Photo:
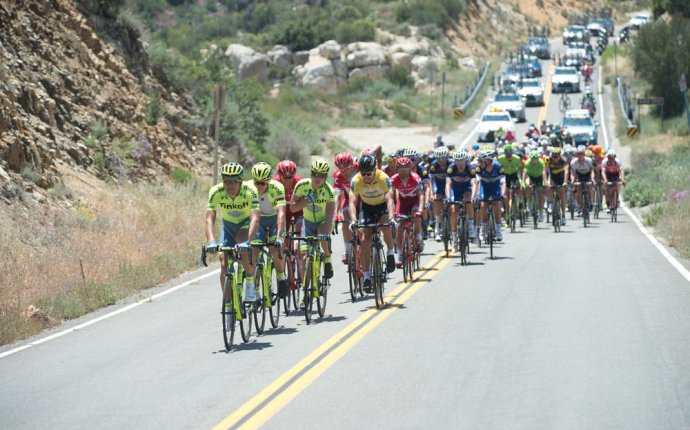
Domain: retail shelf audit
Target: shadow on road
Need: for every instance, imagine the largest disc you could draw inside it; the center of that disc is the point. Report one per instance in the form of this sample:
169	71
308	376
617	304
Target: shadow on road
329	318
470	263
280	331
250	346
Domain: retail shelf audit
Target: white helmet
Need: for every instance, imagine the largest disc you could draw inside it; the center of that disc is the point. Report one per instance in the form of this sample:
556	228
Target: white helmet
441	152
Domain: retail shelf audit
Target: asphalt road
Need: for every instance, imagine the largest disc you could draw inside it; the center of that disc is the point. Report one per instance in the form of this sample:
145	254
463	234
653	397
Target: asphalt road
587	328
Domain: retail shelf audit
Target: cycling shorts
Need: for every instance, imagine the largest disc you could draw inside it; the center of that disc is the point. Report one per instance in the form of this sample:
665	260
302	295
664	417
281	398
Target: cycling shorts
370	214
438	188
457	192
407	206
268	228
558	179
537	181
586	178
228	234
613	178
490	190
512	178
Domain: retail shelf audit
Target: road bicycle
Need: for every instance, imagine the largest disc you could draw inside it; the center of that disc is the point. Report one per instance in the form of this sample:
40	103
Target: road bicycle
408	248
564	103
597	199
613	204
234	310
556	209
445	228
585	202
293	268
534	205
490	233
266	281
463	232
515	207
570	195
378	261
315	286
354	265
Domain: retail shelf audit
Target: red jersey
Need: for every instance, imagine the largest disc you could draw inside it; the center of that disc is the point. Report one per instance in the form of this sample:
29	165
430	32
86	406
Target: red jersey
611	167
288	196
409	188
340	183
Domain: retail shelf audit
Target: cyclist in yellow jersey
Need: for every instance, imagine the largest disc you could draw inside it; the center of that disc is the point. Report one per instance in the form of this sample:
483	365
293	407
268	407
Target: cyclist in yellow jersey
316	198
373	187
272	225
239	208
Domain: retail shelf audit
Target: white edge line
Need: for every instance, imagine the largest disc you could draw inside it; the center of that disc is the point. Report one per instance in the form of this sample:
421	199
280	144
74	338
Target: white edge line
671	259
108	315
601	109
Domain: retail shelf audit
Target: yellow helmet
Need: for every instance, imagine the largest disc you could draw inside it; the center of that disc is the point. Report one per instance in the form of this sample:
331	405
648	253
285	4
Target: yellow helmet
232	170
261	171
320	166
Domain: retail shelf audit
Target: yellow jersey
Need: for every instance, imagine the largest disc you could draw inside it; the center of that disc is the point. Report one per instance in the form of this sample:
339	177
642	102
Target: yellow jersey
374	193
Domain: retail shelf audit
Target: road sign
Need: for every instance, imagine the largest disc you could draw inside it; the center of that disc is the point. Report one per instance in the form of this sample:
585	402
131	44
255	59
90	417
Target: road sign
632	131
458	113
681	82
659	101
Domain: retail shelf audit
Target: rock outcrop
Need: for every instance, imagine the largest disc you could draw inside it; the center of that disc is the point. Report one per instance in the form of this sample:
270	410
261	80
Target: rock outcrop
247	62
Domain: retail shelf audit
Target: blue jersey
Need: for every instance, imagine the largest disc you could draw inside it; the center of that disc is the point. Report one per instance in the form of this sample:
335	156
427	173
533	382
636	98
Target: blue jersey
465	177
438	174
495	175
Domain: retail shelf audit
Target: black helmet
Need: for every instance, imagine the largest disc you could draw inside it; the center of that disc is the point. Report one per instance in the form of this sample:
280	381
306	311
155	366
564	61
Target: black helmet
367	163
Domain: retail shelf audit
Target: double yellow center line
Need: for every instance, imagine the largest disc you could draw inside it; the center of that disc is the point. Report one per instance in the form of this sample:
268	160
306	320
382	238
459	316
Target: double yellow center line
259	409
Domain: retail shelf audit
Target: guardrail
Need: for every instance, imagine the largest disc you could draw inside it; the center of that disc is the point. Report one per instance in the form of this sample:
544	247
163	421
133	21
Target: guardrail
624	98
471	92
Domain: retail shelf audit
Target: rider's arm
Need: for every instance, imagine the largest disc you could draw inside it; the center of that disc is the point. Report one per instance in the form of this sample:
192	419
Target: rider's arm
420	196
353	206
448	180
297	203
210	222
389	202
254	221
281	222
330	210
339	197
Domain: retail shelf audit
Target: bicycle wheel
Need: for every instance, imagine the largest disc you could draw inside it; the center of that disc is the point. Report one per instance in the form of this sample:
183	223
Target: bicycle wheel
463	239
490	230
614	206
585	207
556	214
247	314
353	275
271	298
308	293
596	202
404	254
259	307
376	278
322	292
445	233
409	260
296	284
534	209
513	215
229	316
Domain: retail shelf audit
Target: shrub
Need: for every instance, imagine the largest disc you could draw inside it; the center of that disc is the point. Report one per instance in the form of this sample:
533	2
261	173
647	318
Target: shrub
181	176
354	31
421	12
99	129
154	109
432	31
399	76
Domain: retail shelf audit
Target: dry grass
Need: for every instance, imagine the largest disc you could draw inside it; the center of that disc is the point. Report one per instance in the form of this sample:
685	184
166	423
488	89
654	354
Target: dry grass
58	265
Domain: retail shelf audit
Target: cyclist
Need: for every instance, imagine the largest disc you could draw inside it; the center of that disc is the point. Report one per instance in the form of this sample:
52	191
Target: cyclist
557	169
587	73
423	173
271	195
588	102
239	208
437	173
439	141
535	175
373	187
288	177
513	168
409	201
461	176
582	171
597	159
341	184
612	171
390	167
491	188
316	198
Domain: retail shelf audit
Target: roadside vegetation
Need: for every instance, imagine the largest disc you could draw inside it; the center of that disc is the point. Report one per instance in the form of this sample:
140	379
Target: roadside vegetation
658	174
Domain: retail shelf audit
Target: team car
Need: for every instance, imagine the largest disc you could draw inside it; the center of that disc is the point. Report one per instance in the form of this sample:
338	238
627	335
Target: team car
565	79
532	90
491	120
580	125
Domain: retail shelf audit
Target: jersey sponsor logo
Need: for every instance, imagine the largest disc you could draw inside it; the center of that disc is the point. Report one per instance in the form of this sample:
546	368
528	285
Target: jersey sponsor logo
234	206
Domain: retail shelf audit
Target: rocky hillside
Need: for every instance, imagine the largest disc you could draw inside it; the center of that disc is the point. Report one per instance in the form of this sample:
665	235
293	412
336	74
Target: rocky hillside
77	93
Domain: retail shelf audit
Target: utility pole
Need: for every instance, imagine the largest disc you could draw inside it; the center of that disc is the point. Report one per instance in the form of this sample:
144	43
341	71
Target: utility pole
218	103
684	89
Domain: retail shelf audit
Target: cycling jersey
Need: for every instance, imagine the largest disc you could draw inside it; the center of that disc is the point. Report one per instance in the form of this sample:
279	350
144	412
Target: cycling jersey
534	169
234	210
422	172
269	201
288	196
407	189
510	166
581	167
556	169
461	181
315	212
490	181
437	174
342	185
611	167
373	193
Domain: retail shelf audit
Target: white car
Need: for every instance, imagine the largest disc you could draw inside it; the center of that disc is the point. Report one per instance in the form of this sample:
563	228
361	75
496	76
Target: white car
565	79
575	33
491	120
581	126
639	20
532	90
511	103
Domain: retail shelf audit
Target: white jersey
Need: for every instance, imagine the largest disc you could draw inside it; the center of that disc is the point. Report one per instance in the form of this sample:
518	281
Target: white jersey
581	167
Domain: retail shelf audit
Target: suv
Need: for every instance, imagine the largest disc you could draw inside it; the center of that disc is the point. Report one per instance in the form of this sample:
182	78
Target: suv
575	33
539	46
580	125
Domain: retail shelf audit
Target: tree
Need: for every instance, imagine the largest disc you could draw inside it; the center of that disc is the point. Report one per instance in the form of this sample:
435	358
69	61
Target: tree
660	55
673	7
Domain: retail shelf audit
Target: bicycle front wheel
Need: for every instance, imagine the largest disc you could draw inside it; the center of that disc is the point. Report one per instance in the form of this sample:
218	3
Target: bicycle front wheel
272	300
322	292
296	283
445	232
259	307
404	256
376	279
228	314
353	275
463	238
490	231
308	293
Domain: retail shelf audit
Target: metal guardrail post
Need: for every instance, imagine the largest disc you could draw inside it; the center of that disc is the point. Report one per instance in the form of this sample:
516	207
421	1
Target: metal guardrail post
471	93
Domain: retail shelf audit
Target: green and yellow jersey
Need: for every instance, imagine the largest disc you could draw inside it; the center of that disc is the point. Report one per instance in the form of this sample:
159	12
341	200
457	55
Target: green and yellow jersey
235	210
315	212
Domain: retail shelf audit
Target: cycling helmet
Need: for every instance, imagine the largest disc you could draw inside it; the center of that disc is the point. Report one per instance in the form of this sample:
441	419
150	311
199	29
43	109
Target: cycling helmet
261	171
320	166
450	145
441	152
485	155
588	153
461	155
410	153
508	148
596	149
286	168
533	155
232	170
404	162
611	153
343	160
580	149
439	137
475	147
555	151
367	163
386	159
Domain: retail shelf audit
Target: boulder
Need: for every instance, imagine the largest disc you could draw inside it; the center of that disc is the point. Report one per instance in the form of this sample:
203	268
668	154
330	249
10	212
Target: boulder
321	74
300	58
410	46
363	54
369	72
330	49
402	59
247	62
467	63
280	56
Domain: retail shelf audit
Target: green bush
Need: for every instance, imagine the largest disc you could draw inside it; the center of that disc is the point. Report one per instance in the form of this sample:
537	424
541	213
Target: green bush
181	176
399	76
99	129
421	12
432	31
361	30
154	109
